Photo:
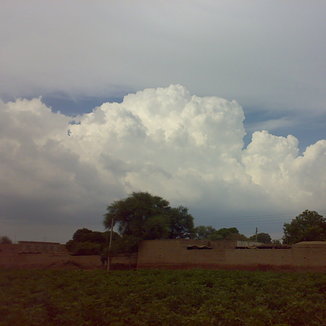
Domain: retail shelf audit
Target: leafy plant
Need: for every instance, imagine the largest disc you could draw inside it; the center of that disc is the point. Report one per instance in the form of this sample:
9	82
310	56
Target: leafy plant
157	297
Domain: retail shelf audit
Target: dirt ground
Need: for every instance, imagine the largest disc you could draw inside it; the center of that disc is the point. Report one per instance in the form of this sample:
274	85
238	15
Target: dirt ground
49	261
11	258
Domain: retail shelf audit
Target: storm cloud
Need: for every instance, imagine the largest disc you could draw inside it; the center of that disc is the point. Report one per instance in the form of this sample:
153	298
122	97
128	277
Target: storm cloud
265	54
59	172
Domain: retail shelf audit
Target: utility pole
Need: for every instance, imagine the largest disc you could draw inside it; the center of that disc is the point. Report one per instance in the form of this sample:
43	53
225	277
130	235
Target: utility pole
110	244
256	234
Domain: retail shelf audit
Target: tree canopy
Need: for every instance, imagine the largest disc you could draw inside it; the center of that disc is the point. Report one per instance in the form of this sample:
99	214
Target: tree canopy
210	233
88	242
203	232
86	235
261	237
146	217
308	226
5	240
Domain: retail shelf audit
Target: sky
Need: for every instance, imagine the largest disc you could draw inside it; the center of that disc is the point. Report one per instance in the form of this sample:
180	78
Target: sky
219	106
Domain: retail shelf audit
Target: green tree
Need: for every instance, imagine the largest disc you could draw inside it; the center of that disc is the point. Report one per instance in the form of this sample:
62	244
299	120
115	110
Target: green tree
308	226
144	216
88	242
156	227
5	240
126	244
181	223
261	237
86	235
202	232
227	234
210	233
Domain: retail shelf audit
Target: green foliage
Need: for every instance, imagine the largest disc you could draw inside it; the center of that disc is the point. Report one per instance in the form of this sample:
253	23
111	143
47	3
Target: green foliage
210	233
203	232
230	234
126	244
141	298
88	242
308	226
156	227
84	248
146	217
5	240
261	237
181	223
86	235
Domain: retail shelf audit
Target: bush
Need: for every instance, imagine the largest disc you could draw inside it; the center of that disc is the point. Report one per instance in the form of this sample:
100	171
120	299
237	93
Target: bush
83	248
5	240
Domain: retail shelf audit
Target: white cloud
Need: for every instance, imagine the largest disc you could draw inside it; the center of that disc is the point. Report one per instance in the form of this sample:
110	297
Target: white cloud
185	148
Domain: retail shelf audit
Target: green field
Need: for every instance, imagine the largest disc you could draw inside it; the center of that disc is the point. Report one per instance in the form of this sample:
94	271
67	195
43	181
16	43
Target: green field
192	297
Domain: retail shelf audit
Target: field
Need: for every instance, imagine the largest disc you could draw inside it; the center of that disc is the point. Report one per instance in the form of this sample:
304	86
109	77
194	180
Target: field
191	297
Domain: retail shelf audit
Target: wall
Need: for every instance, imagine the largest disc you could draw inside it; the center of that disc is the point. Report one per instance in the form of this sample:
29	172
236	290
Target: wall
38	256
128	261
174	254
12	257
40	247
164	253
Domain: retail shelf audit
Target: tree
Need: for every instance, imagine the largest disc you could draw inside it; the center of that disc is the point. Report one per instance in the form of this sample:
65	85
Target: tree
145	217
210	233
86	235
203	232
308	226
228	234
181	223
83	248
88	242
5	240
261	237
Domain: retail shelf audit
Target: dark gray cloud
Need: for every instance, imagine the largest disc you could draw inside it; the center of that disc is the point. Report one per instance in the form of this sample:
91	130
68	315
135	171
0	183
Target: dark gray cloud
263	54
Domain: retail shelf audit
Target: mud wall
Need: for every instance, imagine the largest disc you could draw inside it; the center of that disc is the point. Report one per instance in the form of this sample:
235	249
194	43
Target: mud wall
48	261
12	256
174	254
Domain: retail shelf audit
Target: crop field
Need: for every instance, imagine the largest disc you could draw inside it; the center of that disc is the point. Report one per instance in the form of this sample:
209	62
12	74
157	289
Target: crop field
152	297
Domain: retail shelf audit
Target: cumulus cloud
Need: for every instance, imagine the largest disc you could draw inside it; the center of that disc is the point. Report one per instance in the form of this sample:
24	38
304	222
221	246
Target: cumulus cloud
290	179
185	148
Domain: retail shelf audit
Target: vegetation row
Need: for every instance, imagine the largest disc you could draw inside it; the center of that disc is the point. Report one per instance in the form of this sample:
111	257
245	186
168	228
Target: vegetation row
193	297
142	216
